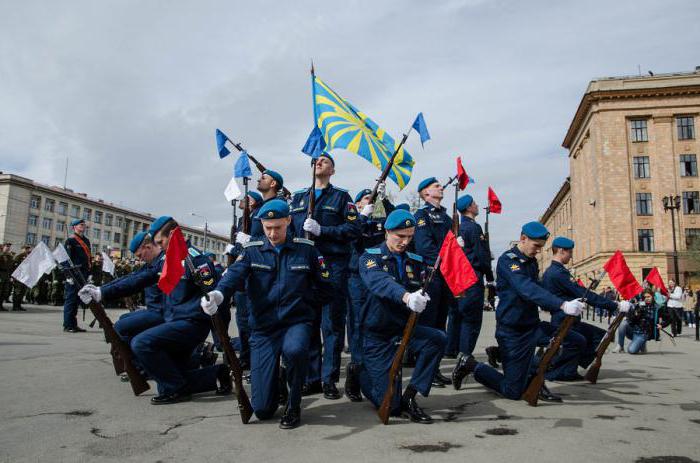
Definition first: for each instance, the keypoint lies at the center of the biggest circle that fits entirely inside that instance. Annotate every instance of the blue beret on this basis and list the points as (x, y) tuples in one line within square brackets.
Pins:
[(256, 196), (563, 242), (75, 222), (464, 202), (426, 183), (399, 219), (137, 241), (359, 195), (158, 224), (275, 175), (403, 206), (274, 209), (326, 155), (535, 231)]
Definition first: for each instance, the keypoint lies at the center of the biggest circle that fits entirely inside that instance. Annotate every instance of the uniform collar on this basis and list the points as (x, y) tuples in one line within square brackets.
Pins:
[(522, 256), (267, 246), (431, 207), (559, 265)]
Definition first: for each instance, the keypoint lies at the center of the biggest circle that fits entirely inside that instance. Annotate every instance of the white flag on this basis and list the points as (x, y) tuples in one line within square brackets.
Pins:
[(232, 190), (37, 263), (107, 264), (61, 254)]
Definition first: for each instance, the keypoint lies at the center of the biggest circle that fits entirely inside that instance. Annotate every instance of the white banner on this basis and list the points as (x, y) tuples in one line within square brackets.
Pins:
[(37, 263)]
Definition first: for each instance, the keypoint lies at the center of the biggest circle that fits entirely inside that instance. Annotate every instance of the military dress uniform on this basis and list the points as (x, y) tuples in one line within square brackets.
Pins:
[(78, 249)]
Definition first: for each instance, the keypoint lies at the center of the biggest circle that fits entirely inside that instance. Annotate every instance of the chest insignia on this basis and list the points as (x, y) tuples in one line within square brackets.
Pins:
[(371, 263), (421, 222), (514, 267)]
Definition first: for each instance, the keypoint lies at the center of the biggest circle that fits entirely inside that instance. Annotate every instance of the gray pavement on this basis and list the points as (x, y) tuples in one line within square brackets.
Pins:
[(62, 402)]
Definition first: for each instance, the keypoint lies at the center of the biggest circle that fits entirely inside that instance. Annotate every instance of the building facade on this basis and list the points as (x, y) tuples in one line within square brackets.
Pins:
[(31, 212), (632, 142)]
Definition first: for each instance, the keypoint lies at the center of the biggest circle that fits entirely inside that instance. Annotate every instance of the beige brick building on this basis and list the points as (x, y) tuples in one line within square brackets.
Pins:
[(632, 141), (31, 212)]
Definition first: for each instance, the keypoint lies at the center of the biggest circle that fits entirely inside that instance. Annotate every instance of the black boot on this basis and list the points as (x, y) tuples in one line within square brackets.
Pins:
[(282, 387), (171, 398), (494, 356), (352, 382), (547, 395), (330, 391), (223, 377), (465, 366), (442, 378), (410, 408), (311, 388), (291, 418)]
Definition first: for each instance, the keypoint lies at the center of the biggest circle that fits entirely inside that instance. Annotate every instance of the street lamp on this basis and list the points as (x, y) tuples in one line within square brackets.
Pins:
[(205, 230), (673, 203)]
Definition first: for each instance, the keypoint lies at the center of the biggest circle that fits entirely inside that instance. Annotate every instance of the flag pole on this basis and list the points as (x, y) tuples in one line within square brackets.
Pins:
[(387, 168), (312, 188)]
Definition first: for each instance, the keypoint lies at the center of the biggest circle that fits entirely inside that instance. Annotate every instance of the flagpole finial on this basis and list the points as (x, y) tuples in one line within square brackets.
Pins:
[(313, 72)]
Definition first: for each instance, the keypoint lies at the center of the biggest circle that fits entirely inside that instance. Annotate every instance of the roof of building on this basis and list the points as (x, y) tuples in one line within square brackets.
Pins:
[(563, 190)]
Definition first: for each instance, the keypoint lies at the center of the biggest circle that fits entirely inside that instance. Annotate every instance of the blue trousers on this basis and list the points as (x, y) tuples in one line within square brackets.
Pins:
[(639, 339), (242, 313), (464, 324), (357, 294), (164, 352), (441, 302), (591, 334), (70, 305), (292, 344), (377, 355), (132, 323), (564, 365), (331, 321)]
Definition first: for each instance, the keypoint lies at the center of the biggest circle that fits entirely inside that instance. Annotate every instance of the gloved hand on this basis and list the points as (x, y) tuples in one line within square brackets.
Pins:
[(624, 306), (70, 281), (229, 248), (416, 301), (381, 190), (313, 227), (242, 238), (90, 293), (367, 210), (460, 241), (573, 308), (211, 306)]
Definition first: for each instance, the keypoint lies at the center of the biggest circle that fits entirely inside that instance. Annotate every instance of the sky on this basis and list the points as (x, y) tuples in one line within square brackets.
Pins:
[(131, 92)]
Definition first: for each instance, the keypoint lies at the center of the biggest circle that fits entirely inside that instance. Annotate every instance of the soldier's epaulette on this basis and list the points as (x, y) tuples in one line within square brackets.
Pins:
[(373, 251), (297, 209), (340, 189), (512, 255), (415, 257), (303, 240), (194, 252), (253, 243), (303, 190)]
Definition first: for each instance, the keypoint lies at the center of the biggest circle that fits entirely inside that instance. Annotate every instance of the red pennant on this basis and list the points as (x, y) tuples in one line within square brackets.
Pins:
[(454, 266), (494, 202), (462, 176), (580, 283), (173, 268), (621, 276), (655, 279)]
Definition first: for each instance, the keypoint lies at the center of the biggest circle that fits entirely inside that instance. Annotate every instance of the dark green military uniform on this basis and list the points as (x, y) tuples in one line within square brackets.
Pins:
[(6, 265), (18, 289), (57, 287)]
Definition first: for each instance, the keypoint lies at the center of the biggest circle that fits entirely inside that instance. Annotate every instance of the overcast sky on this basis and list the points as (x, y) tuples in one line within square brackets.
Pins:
[(132, 91)]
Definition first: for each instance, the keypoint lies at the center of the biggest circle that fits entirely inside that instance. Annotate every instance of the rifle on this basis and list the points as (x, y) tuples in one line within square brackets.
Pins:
[(532, 392), (246, 207), (455, 218), (385, 407), (490, 290), (234, 230), (122, 357), (594, 369), (285, 192), (387, 167), (244, 406), (312, 197)]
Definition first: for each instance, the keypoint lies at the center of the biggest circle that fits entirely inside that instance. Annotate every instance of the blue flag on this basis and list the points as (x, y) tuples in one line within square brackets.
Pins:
[(421, 128), (242, 167), (221, 140), (315, 144)]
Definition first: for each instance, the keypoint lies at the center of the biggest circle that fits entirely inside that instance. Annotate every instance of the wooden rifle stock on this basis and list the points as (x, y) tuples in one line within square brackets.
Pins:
[(387, 167), (246, 208), (593, 370)]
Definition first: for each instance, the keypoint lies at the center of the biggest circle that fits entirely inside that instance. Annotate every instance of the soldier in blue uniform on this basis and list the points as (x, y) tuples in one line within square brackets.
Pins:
[(164, 350), (284, 277), (558, 281), (78, 248), (465, 324), (333, 227), (518, 327), (432, 225), (393, 278)]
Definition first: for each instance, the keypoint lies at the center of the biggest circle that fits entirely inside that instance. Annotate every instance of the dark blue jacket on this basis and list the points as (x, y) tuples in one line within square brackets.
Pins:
[(385, 313), (475, 246), (153, 296), (337, 215), (372, 235), (77, 254), (284, 286), (520, 292), (557, 280), (432, 225)]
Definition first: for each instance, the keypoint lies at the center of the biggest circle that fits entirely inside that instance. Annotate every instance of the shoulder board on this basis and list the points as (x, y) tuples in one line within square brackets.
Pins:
[(303, 190), (250, 244), (193, 252), (511, 255), (340, 189), (303, 240), (373, 251), (415, 257)]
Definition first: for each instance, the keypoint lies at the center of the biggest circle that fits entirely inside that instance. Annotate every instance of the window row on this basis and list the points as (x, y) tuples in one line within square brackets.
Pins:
[(685, 129), (87, 213), (691, 203), (645, 238), (688, 166)]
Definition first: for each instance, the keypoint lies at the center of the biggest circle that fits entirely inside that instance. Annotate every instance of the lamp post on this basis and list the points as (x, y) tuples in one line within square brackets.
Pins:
[(204, 246), (673, 203)]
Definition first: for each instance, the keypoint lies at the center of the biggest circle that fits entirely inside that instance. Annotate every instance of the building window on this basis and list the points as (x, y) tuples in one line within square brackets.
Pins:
[(75, 211), (107, 235), (96, 233), (60, 225), (686, 127), (35, 202), (98, 216), (63, 208), (45, 239), (49, 205), (689, 165), (117, 237), (31, 238), (638, 129), (645, 237), (691, 202), (644, 204), (47, 223), (120, 222), (109, 219), (640, 164), (692, 237), (33, 219), (87, 213)]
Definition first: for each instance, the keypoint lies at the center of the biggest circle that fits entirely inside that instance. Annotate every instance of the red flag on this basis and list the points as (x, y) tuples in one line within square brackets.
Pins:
[(172, 268), (580, 283), (454, 266), (494, 202), (655, 279), (462, 176), (621, 276)]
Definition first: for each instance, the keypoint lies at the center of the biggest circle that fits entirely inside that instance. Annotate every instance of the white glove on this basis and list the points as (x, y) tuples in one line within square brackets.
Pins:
[(242, 238), (69, 281), (90, 293), (417, 301), (624, 306), (311, 226), (460, 241), (212, 305), (367, 210), (381, 190), (228, 249), (573, 308)]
